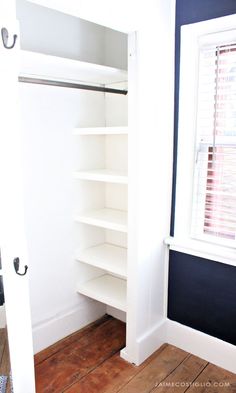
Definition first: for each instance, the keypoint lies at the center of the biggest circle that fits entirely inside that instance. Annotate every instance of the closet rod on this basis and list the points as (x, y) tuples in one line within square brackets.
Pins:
[(71, 85)]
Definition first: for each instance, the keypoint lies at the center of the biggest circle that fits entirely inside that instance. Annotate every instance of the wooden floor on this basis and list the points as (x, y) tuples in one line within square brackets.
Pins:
[(89, 362), (4, 356)]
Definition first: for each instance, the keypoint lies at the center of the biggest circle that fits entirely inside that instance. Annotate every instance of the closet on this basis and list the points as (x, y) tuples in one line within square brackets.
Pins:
[(74, 116), (91, 158)]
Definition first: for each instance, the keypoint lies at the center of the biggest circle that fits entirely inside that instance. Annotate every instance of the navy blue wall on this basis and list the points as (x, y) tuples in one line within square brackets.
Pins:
[(202, 295), (198, 303)]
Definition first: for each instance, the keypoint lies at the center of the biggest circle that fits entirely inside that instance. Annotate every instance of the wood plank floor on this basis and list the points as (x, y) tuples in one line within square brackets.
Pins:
[(89, 362), (4, 357)]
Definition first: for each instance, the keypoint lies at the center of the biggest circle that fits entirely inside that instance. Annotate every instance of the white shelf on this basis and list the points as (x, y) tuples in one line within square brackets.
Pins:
[(101, 131), (105, 256), (105, 218), (33, 64), (106, 289), (103, 175)]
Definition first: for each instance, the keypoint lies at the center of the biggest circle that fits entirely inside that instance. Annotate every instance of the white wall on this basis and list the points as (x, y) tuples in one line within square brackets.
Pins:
[(52, 32), (48, 117)]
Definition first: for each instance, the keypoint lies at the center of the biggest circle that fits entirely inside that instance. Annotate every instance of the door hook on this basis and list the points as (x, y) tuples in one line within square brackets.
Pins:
[(16, 262), (5, 37)]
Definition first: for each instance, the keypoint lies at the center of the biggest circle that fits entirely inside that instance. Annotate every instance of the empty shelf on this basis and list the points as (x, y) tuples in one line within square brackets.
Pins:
[(103, 175), (105, 218), (101, 131), (105, 256), (60, 68), (106, 289)]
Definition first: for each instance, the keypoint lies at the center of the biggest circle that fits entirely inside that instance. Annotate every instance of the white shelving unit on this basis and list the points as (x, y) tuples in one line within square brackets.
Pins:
[(106, 289), (102, 180), (108, 257), (100, 174)]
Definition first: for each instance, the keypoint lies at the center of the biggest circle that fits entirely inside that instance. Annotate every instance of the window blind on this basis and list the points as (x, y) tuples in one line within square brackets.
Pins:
[(214, 199)]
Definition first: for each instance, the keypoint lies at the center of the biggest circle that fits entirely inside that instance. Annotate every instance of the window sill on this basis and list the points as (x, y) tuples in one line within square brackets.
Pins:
[(202, 249)]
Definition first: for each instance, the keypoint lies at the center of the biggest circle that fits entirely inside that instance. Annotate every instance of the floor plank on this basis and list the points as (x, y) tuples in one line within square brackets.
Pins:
[(89, 362), (110, 377), (156, 371), (62, 369), (60, 345), (2, 344), (181, 378), (5, 357), (214, 380)]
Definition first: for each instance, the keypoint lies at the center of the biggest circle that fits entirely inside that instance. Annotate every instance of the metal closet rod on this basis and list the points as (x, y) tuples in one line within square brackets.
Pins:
[(71, 85)]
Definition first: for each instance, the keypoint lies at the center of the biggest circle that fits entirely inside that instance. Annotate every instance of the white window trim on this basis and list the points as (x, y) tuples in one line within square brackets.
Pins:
[(202, 249), (191, 36)]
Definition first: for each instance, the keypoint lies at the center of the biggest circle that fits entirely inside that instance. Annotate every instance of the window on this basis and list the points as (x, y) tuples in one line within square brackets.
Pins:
[(205, 210), (214, 197)]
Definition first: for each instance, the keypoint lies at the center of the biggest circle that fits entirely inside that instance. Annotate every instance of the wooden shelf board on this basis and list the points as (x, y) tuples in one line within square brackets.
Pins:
[(106, 289), (101, 131), (105, 218), (105, 256), (103, 175), (41, 65)]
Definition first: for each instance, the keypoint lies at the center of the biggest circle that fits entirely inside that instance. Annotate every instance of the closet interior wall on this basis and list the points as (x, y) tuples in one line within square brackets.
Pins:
[(51, 154)]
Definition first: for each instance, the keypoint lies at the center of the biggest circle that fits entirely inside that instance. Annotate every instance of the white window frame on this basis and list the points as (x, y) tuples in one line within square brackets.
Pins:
[(220, 31)]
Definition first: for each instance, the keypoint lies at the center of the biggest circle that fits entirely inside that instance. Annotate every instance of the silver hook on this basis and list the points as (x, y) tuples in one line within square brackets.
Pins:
[(5, 37), (16, 263)]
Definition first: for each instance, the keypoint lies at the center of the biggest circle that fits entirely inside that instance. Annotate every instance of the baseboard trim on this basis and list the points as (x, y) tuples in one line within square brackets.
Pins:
[(48, 332), (202, 345), (146, 345), (2, 317)]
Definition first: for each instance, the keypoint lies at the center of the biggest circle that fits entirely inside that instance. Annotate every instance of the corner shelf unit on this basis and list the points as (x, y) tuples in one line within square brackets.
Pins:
[(102, 171)]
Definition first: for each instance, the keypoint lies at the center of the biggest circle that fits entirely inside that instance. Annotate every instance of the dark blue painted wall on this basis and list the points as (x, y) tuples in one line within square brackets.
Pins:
[(202, 295), (194, 300)]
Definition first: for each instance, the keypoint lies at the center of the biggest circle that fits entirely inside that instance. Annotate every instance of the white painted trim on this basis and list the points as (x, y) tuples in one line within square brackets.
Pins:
[(2, 317), (147, 344), (200, 344), (192, 36), (50, 331), (203, 250)]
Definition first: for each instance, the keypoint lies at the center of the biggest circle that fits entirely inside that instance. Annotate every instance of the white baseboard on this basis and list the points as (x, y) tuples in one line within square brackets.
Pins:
[(202, 345), (2, 317), (146, 344), (48, 332)]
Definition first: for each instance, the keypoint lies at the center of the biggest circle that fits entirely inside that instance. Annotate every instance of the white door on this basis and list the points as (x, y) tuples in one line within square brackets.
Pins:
[(12, 237)]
